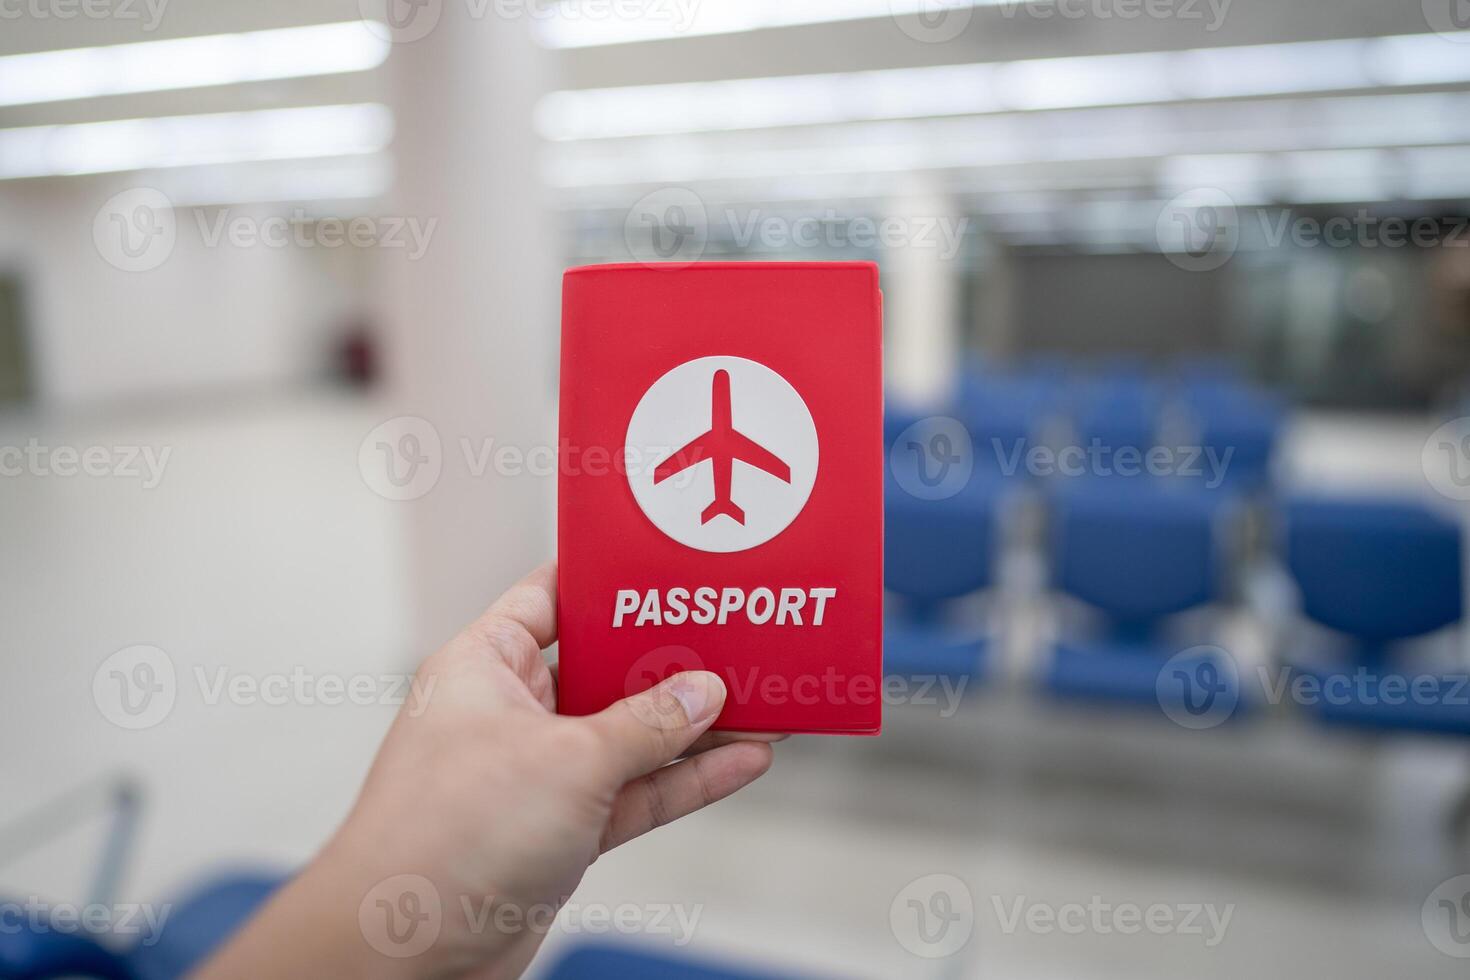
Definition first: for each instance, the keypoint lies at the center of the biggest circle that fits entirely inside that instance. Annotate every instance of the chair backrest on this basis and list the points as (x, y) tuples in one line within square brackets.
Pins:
[(1378, 570), (1138, 550), (935, 550), (200, 923), (1119, 411), (29, 953)]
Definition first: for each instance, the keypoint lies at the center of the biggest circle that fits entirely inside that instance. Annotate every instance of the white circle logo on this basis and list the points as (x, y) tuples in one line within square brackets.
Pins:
[(1446, 459), (1450, 19), (401, 916), (135, 688), (400, 21), (402, 458), (1199, 688), (932, 21), (933, 916), (722, 454), (1199, 230), (135, 231), (667, 229), (1446, 917)]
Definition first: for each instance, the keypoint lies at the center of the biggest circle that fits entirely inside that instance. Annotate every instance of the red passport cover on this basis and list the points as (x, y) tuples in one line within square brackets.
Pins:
[(720, 488)]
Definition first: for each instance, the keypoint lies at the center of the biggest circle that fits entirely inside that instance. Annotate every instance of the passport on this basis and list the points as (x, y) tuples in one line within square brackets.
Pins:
[(720, 488)]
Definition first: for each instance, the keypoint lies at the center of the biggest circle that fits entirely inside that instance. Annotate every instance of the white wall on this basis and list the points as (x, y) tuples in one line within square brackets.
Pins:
[(207, 318)]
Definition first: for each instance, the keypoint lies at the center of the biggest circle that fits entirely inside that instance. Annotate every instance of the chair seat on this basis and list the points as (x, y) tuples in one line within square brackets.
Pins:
[(930, 650), (1122, 673), (1386, 701)]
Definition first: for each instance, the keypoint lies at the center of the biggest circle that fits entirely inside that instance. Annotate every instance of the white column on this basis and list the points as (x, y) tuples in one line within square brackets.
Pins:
[(922, 289), (473, 324)]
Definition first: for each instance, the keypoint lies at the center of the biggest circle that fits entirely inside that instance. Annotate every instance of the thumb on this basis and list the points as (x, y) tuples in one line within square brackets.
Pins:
[(653, 728)]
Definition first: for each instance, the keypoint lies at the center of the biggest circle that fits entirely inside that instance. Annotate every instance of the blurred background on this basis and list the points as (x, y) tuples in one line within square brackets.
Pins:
[(1178, 354)]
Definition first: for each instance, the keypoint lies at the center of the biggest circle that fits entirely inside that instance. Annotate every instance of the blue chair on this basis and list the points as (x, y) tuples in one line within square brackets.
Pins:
[(1378, 572), (27, 953), (936, 551), (610, 961), (1119, 413), (200, 924), (196, 927), (1136, 552), (1005, 414), (1234, 418)]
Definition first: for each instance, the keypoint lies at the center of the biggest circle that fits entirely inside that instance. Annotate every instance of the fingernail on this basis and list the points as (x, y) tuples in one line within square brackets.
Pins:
[(701, 693)]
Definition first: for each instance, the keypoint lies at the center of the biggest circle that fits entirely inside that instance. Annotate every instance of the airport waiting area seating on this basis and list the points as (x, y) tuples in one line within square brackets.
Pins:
[(1377, 573), (1136, 553), (1138, 566), (196, 926)]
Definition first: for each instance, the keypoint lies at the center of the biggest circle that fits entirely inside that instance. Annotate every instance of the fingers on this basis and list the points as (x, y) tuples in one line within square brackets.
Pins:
[(679, 790), (518, 625), (713, 740), (653, 728)]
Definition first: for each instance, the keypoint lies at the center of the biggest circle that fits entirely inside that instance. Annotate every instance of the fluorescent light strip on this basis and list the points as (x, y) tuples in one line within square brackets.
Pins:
[(977, 89), (1021, 140), (181, 141), (564, 25), (189, 62)]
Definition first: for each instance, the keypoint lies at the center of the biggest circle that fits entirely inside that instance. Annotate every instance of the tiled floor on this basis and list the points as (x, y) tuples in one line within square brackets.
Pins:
[(262, 551)]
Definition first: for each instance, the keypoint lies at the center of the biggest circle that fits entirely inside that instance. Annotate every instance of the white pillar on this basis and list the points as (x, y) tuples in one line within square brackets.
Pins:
[(923, 288), (473, 324)]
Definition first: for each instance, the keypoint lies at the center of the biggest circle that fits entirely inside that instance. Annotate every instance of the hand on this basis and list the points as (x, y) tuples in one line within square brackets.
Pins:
[(485, 802)]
